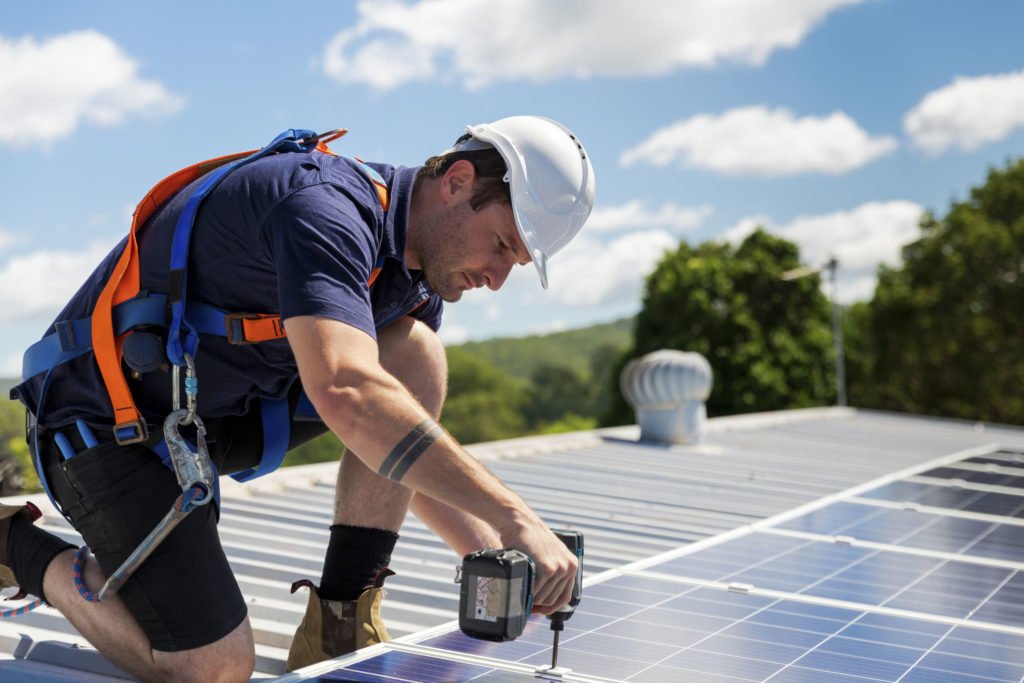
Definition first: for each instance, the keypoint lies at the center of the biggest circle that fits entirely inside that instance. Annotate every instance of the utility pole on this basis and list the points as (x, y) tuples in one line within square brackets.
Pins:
[(832, 266), (837, 333)]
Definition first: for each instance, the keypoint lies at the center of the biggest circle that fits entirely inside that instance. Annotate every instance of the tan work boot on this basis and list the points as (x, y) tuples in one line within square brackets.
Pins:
[(7, 513), (332, 628)]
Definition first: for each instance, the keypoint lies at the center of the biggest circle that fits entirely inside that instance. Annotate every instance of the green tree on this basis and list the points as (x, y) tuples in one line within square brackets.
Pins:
[(944, 334), (483, 404), (17, 474), (768, 341), (603, 370), (554, 391), (324, 448), (520, 356)]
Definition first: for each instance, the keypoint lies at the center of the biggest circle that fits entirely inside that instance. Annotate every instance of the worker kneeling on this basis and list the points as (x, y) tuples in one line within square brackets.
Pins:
[(260, 300)]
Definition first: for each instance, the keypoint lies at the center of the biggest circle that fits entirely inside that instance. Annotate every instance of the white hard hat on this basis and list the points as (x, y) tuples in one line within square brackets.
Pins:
[(550, 176)]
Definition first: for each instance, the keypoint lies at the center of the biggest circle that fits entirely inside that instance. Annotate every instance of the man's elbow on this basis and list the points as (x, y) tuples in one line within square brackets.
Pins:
[(342, 403)]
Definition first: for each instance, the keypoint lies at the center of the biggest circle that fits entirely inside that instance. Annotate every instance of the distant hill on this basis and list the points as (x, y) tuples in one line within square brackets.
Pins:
[(520, 356), (6, 383)]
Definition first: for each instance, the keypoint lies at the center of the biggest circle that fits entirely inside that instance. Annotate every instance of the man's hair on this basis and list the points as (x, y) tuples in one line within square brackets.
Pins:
[(490, 168)]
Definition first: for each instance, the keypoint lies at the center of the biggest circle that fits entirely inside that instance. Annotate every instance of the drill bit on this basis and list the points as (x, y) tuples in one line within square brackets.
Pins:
[(554, 650)]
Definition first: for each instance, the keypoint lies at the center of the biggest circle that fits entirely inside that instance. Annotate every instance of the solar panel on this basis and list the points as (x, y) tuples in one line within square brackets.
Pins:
[(914, 580)]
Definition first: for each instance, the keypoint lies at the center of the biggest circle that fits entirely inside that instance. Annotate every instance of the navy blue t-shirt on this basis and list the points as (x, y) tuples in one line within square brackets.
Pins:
[(291, 234)]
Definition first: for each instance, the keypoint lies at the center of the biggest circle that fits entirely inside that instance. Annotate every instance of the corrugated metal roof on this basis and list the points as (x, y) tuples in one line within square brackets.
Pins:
[(631, 499)]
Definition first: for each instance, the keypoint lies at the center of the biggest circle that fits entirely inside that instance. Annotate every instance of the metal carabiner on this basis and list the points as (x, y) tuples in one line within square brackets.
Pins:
[(194, 473), (191, 467), (191, 388)]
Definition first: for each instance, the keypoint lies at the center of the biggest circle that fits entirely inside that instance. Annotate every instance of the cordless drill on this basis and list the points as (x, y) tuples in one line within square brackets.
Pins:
[(496, 595), (574, 541)]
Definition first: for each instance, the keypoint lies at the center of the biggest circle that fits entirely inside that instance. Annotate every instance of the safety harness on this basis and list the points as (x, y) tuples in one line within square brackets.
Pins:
[(122, 307)]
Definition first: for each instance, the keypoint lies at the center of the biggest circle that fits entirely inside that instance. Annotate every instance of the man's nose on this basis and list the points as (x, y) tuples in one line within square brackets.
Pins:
[(497, 274)]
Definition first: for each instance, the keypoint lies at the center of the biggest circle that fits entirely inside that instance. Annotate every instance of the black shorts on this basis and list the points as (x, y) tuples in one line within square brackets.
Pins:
[(184, 595)]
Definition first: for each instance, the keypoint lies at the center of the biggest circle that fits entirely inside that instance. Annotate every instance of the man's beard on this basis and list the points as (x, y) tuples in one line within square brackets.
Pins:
[(440, 241)]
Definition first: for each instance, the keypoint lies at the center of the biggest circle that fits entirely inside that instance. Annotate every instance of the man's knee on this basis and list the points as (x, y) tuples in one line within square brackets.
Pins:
[(414, 354), (230, 659)]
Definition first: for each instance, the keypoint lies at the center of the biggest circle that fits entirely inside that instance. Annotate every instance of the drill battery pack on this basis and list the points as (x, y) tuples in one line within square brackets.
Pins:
[(496, 594)]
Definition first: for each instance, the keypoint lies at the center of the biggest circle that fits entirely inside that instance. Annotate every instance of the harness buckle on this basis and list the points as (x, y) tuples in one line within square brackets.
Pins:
[(137, 434), (236, 327), (234, 324)]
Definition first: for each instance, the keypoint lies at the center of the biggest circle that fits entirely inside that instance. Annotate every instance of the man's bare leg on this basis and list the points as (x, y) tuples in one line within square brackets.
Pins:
[(112, 630), (411, 352)]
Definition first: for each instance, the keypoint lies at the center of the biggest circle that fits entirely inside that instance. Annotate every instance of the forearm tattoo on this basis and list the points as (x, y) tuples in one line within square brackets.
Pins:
[(409, 449)]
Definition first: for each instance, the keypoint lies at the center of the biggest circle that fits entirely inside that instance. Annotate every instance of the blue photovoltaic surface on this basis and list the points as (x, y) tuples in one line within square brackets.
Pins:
[(643, 628), (973, 538), (415, 668), (990, 478), (1003, 458), (1004, 504), (948, 588)]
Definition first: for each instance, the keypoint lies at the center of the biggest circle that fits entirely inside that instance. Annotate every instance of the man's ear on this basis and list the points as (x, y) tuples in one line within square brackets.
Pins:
[(458, 179)]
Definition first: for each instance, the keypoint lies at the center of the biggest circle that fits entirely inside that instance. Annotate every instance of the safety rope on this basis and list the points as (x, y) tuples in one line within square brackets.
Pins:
[(185, 503), (24, 609)]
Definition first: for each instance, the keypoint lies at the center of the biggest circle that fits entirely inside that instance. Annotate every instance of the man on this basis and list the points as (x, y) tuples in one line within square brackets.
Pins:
[(354, 259)]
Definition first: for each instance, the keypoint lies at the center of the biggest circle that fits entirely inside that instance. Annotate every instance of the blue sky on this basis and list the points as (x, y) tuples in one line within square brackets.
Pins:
[(831, 122)]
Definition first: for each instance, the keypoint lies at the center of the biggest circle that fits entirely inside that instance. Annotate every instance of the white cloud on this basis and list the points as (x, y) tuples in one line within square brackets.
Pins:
[(744, 227), (861, 239), (48, 87), (967, 113), (548, 327), (6, 239), (37, 285), (762, 142), (453, 335), (590, 272), (480, 41), (635, 214)]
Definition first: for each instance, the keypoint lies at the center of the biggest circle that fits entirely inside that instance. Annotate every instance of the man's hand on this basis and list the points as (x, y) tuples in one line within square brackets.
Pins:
[(555, 566)]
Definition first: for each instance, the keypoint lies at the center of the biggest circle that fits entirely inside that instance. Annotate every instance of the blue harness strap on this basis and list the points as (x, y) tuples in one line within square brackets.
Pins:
[(186, 319), (183, 338), (73, 338), (276, 432)]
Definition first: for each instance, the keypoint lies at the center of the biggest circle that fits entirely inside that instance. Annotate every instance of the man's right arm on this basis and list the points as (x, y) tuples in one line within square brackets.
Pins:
[(379, 419)]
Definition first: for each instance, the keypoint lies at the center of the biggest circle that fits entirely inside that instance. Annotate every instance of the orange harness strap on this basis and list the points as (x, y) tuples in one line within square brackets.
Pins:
[(124, 283)]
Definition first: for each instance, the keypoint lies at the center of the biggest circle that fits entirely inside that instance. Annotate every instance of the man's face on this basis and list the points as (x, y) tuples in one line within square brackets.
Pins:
[(465, 249)]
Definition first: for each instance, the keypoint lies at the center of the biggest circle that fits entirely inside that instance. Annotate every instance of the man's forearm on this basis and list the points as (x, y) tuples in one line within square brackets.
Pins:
[(395, 437), (464, 533)]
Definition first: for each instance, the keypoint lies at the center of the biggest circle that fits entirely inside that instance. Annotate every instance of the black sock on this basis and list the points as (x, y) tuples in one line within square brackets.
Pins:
[(355, 557), (30, 551)]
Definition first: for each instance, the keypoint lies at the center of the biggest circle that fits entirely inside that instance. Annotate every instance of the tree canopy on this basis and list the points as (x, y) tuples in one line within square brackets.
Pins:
[(943, 334), (769, 341)]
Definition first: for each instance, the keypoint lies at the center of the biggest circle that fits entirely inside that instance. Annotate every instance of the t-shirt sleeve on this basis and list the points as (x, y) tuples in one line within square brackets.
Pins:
[(323, 249), (430, 312)]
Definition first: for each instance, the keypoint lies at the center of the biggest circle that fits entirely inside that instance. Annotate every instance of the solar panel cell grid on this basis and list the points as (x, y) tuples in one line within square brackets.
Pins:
[(414, 668), (1007, 505), (660, 625), (975, 477), (970, 537), (696, 633), (1003, 456)]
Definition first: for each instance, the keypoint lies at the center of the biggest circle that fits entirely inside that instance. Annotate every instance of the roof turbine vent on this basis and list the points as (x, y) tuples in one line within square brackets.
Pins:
[(667, 388)]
